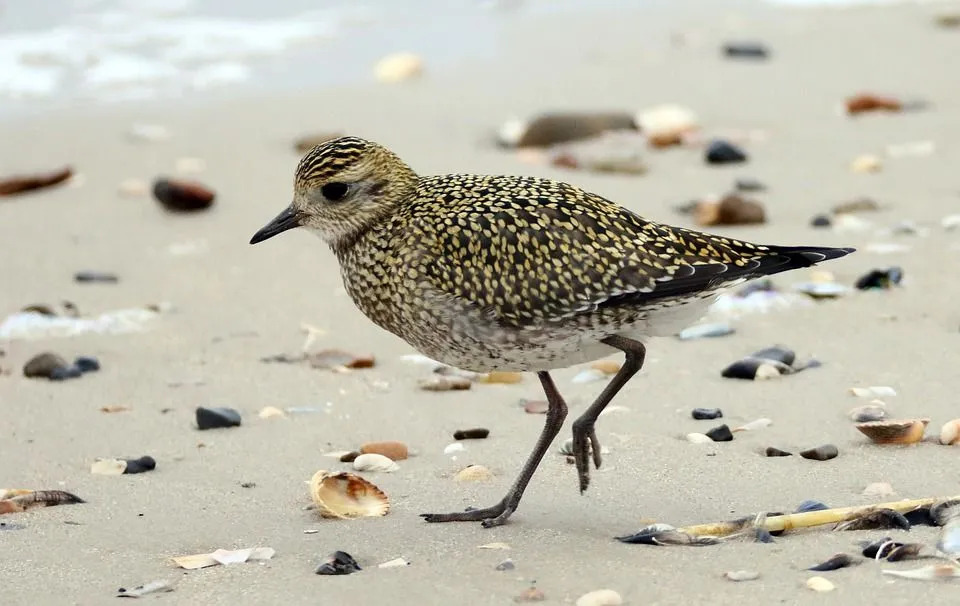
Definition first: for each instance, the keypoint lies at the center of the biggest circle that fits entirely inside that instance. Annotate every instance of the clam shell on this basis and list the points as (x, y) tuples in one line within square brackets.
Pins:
[(474, 473), (345, 495), (950, 433), (894, 431), (374, 462)]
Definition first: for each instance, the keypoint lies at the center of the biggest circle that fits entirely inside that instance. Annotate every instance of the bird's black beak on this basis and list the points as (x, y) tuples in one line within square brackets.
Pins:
[(288, 219)]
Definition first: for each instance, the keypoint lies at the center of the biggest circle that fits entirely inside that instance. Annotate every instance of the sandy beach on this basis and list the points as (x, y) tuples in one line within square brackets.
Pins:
[(231, 304)]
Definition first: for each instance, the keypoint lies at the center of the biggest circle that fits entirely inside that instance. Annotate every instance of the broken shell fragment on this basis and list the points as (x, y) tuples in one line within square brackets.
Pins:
[(501, 376), (840, 560), (950, 433), (874, 391), (15, 500), (820, 453), (904, 431), (474, 473), (879, 550), (338, 359), (704, 331), (754, 425), (375, 462), (396, 451), (338, 562), (909, 551), (867, 102), (182, 196), (698, 438), (345, 495), (866, 163), (398, 67), (23, 183), (535, 407)]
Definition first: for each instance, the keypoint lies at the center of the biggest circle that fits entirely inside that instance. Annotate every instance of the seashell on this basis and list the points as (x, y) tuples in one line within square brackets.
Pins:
[(866, 163), (454, 447), (336, 358), (702, 414), (478, 433), (338, 562), (949, 541), (874, 391), (588, 376), (811, 505), (474, 473), (950, 433), (308, 142), (396, 451), (609, 367), (820, 584), (933, 572), (182, 196), (95, 276), (905, 431), (666, 123), (741, 575), (530, 594), (698, 438), (820, 453), (501, 376), (920, 516), (394, 563), (745, 50), (879, 550), (345, 495), (442, 383), (950, 222), (505, 565), (878, 489), (770, 451), (600, 597), (868, 414), (493, 546), (270, 412), (398, 67), (755, 369), (43, 365), (535, 407), (840, 560), (944, 511), (374, 462), (723, 152), (139, 591), (909, 551), (880, 279), (552, 128), (721, 433), (18, 184), (665, 534), (730, 210), (705, 331), (867, 102), (754, 425), (108, 467), (876, 519), (214, 418)]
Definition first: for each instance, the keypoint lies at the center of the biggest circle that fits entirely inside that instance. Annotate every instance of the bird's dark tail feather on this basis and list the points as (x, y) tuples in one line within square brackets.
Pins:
[(785, 258)]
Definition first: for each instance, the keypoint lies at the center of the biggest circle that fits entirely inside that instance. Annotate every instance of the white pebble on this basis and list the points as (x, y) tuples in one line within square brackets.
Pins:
[(699, 438), (874, 391), (455, 447), (755, 424), (600, 597), (878, 489), (374, 462), (820, 584), (398, 67), (950, 222), (866, 164), (394, 563), (741, 575), (589, 375), (190, 165)]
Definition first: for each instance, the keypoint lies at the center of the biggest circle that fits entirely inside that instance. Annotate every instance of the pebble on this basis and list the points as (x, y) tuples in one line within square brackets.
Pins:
[(530, 594), (706, 413), (820, 453), (144, 463), (64, 373), (398, 67), (535, 407), (396, 451), (474, 473), (698, 438), (86, 364), (880, 279), (444, 383), (721, 433), (878, 489), (873, 391), (704, 331), (820, 221), (867, 102), (666, 125), (755, 369), (375, 462), (724, 152), (505, 565), (182, 196), (478, 433), (600, 597), (950, 433), (43, 365), (213, 418), (771, 451), (868, 414), (85, 277), (553, 128), (18, 184), (820, 584), (748, 184), (866, 164), (349, 457), (730, 210), (339, 562), (741, 575), (454, 447), (745, 50)]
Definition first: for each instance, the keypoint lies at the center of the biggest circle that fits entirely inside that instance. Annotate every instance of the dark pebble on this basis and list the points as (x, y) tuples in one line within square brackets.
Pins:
[(880, 549), (920, 517), (721, 433), (702, 414), (880, 279), (821, 221), (65, 372), (144, 463), (505, 565), (777, 353), (42, 365), (749, 368), (745, 50), (212, 418), (811, 505), (182, 196), (722, 152), (350, 456), (776, 452), (95, 276), (477, 433), (339, 562), (841, 560), (820, 453), (87, 364), (748, 184)]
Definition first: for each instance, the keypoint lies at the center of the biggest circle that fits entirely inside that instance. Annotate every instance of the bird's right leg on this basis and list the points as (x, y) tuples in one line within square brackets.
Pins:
[(498, 514)]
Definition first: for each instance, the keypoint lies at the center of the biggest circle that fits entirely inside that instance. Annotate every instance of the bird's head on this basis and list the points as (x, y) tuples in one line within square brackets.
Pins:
[(342, 188)]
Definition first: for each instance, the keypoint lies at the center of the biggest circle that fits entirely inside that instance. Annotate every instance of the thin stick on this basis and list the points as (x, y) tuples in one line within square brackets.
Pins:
[(807, 519)]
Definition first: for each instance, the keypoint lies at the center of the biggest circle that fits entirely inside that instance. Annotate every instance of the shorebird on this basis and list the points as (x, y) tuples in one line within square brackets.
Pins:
[(514, 273)]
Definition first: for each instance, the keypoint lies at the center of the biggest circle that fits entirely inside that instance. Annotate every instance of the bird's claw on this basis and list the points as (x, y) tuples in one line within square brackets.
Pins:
[(584, 441)]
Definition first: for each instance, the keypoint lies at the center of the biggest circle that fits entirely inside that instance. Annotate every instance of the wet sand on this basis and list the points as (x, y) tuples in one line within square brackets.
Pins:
[(233, 304)]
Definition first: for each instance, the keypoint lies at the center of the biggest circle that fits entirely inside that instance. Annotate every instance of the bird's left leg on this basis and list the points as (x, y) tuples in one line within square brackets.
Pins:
[(584, 433)]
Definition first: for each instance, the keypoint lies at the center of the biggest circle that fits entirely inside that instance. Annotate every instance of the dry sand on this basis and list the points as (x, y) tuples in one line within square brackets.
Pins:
[(234, 304)]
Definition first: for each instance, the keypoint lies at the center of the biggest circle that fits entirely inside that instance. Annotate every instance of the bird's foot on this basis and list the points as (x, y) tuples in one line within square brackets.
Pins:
[(488, 517), (585, 440)]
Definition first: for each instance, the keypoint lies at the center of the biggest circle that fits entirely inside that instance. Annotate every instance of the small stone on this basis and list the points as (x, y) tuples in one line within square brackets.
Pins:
[(721, 433), (339, 562), (706, 413), (42, 365), (442, 383), (866, 102), (741, 575), (86, 277), (947, 20), (349, 457), (182, 196), (477, 433), (820, 584), (500, 376), (505, 565), (375, 462), (776, 452), (608, 367), (530, 594), (698, 438), (730, 210), (747, 184), (454, 447), (878, 489), (704, 331), (535, 407), (600, 597), (821, 221), (86, 364), (820, 453), (724, 152), (394, 563), (398, 67), (144, 463), (474, 473), (868, 414), (866, 164), (271, 412), (396, 451), (881, 279), (745, 50), (214, 418), (64, 373)]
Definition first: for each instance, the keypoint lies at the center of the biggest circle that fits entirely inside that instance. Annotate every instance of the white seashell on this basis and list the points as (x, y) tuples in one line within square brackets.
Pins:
[(703, 331), (589, 375), (878, 489), (950, 433), (741, 575), (866, 163), (932, 572), (820, 584), (950, 222), (494, 546), (754, 425), (474, 473), (375, 462), (148, 133), (666, 120), (108, 467), (874, 391), (133, 188), (270, 412), (398, 67), (847, 223), (455, 447), (600, 597), (699, 438), (394, 563), (345, 495)]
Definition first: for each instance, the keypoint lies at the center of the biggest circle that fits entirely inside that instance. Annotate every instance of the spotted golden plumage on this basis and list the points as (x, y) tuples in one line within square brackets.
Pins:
[(513, 273)]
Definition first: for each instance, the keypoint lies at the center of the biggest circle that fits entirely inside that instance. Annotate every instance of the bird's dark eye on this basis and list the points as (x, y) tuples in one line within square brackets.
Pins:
[(335, 191)]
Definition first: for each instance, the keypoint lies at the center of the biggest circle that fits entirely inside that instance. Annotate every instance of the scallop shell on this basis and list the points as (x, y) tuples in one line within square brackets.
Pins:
[(950, 433), (474, 473), (345, 495), (903, 431)]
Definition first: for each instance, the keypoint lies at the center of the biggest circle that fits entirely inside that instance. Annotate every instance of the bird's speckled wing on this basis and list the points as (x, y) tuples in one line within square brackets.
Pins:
[(530, 250)]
